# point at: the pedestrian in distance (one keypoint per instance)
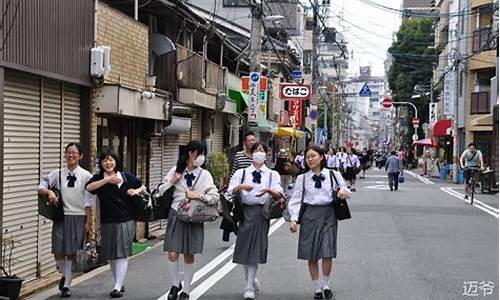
(256, 184)
(470, 160)
(393, 167)
(68, 234)
(115, 189)
(364, 160)
(191, 181)
(341, 158)
(331, 159)
(311, 206)
(352, 166)
(299, 160)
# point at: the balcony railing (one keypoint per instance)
(482, 39)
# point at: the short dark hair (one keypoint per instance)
(104, 156)
(471, 144)
(192, 146)
(78, 147)
(248, 133)
(320, 151)
(393, 152)
(257, 145)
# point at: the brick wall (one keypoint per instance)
(129, 42)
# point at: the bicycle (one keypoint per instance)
(474, 179)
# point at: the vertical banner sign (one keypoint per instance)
(296, 111)
(448, 95)
(262, 114)
(253, 110)
(432, 113)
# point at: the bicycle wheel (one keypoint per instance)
(472, 191)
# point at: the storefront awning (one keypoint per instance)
(441, 127)
(242, 100)
(289, 131)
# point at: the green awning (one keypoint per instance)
(242, 100)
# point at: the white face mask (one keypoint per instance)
(199, 161)
(259, 157)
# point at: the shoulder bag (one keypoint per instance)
(142, 204)
(162, 202)
(238, 203)
(339, 205)
(197, 211)
(272, 209)
(87, 258)
(47, 209)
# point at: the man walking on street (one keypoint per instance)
(243, 158)
(393, 166)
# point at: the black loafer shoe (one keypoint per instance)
(61, 283)
(122, 290)
(115, 294)
(65, 293)
(183, 296)
(318, 295)
(172, 295)
(329, 294)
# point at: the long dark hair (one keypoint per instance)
(256, 146)
(104, 156)
(184, 156)
(318, 149)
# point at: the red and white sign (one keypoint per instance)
(387, 103)
(290, 91)
(295, 110)
(415, 122)
(245, 84)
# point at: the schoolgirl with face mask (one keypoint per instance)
(257, 184)
(191, 181)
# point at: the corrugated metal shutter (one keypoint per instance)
(170, 152)
(155, 172)
(196, 125)
(71, 116)
(218, 133)
(21, 168)
(51, 157)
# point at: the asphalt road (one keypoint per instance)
(421, 242)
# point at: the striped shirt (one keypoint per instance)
(241, 161)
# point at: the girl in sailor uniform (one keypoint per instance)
(318, 222)
(256, 185)
(68, 234)
(191, 181)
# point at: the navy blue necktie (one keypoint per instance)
(189, 179)
(256, 176)
(317, 180)
(71, 180)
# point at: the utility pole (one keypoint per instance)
(456, 65)
(255, 36)
(315, 69)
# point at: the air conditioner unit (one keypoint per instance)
(100, 61)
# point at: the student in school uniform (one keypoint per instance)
(257, 184)
(68, 234)
(352, 164)
(341, 157)
(331, 159)
(318, 222)
(191, 181)
(115, 189)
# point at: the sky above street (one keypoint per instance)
(368, 30)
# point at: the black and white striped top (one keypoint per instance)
(241, 161)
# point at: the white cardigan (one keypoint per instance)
(205, 185)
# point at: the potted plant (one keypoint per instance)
(10, 284)
(219, 168)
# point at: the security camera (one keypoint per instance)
(147, 95)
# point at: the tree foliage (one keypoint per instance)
(413, 61)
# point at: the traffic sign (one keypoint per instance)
(297, 74)
(314, 114)
(387, 103)
(295, 91)
(415, 122)
(365, 91)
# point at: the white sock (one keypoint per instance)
(325, 281)
(121, 272)
(68, 273)
(188, 277)
(60, 265)
(245, 269)
(251, 274)
(112, 265)
(173, 269)
(316, 285)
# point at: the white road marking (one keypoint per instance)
(203, 287)
(377, 187)
(423, 179)
(477, 203)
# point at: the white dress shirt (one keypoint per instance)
(331, 161)
(269, 179)
(341, 157)
(352, 161)
(313, 195)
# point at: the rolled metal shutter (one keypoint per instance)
(21, 169)
(170, 152)
(196, 125)
(71, 113)
(51, 158)
(218, 133)
(155, 172)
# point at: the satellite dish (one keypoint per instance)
(161, 44)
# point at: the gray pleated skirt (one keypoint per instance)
(182, 237)
(318, 233)
(117, 239)
(252, 239)
(68, 235)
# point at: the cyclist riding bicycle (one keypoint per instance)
(471, 160)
